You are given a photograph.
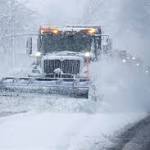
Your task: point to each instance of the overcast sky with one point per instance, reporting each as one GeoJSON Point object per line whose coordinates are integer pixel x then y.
{"type": "Point", "coordinates": [58, 11]}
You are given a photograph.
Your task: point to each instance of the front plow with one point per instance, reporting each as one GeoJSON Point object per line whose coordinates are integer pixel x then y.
{"type": "Point", "coordinates": [44, 86]}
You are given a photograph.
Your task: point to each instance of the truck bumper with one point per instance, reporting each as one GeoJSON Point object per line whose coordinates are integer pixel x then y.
{"type": "Point", "coordinates": [71, 87]}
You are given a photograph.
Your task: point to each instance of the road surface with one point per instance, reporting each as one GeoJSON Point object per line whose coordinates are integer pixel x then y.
{"type": "Point", "coordinates": [134, 138]}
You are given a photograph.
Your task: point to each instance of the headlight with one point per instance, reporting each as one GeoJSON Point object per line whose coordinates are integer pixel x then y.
{"type": "Point", "coordinates": [124, 60]}
{"type": "Point", "coordinates": [37, 54]}
{"type": "Point", "coordinates": [87, 54]}
{"type": "Point", "coordinates": [133, 58]}
{"type": "Point", "coordinates": [146, 71]}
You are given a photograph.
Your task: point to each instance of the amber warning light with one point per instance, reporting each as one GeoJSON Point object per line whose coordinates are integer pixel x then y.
{"type": "Point", "coordinates": [89, 31]}
{"type": "Point", "coordinates": [49, 30]}
{"type": "Point", "coordinates": [92, 31]}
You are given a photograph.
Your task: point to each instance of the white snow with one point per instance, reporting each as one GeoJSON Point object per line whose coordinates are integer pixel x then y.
{"type": "Point", "coordinates": [124, 86]}
{"type": "Point", "coordinates": [60, 123]}
{"type": "Point", "coordinates": [76, 124]}
{"type": "Point", "coordinates": [61, 131]}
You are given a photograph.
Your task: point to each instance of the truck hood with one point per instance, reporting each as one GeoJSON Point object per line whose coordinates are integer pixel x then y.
{"type": "Point", "coordinates": [64, 55]}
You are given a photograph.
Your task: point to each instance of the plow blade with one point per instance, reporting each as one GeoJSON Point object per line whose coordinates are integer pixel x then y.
{"type": "Point", "coordinates": [44, 86]}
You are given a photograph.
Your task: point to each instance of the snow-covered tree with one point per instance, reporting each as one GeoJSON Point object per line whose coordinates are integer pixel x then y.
{"type": "Point", "coordinates": [127, 21]}
{"type": "Point", "coordinates": [134, 23]}
{"type": "Point", "coordinates": [136, 16]}
{"type": "Point", "coordinates": [15, 18]}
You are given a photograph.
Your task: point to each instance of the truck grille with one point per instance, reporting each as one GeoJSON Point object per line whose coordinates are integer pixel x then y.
{"type": "Point", "coordinates": [67, 66]}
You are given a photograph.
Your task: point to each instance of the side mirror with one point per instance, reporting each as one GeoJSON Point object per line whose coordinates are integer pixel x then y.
{"type": "Point", "coordinates": [39, 44]}
{"type": "Point", "coordinates": [29, 46]}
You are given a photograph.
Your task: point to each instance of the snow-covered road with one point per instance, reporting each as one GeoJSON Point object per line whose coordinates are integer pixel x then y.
{"type": "Point", "coordinates": [64, 123]}
{"type": "Point", "coordinates": [62, 131]}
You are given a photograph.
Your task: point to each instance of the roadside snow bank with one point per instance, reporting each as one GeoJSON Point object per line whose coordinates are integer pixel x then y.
{"type": "Point", "coordinates": [45, 131]}
{"type": "Point", "coordinates": [51, 103]}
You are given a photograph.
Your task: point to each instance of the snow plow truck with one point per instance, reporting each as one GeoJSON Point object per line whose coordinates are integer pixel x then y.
{"type": "Point", "coordinates": [62, 62]}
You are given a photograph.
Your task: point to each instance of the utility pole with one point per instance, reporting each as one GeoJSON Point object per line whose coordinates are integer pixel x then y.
{"type": "Point", "coordinates": [12, 28]}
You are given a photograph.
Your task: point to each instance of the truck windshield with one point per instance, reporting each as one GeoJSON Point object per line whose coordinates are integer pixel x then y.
{"type": "Point", "coordinates": [76, 43]}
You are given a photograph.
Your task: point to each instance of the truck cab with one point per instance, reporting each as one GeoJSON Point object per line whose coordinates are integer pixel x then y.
{"type": "Point", "coordinates": [65, 54]}
{"type": "Point", "coordinates": [62, 62]}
